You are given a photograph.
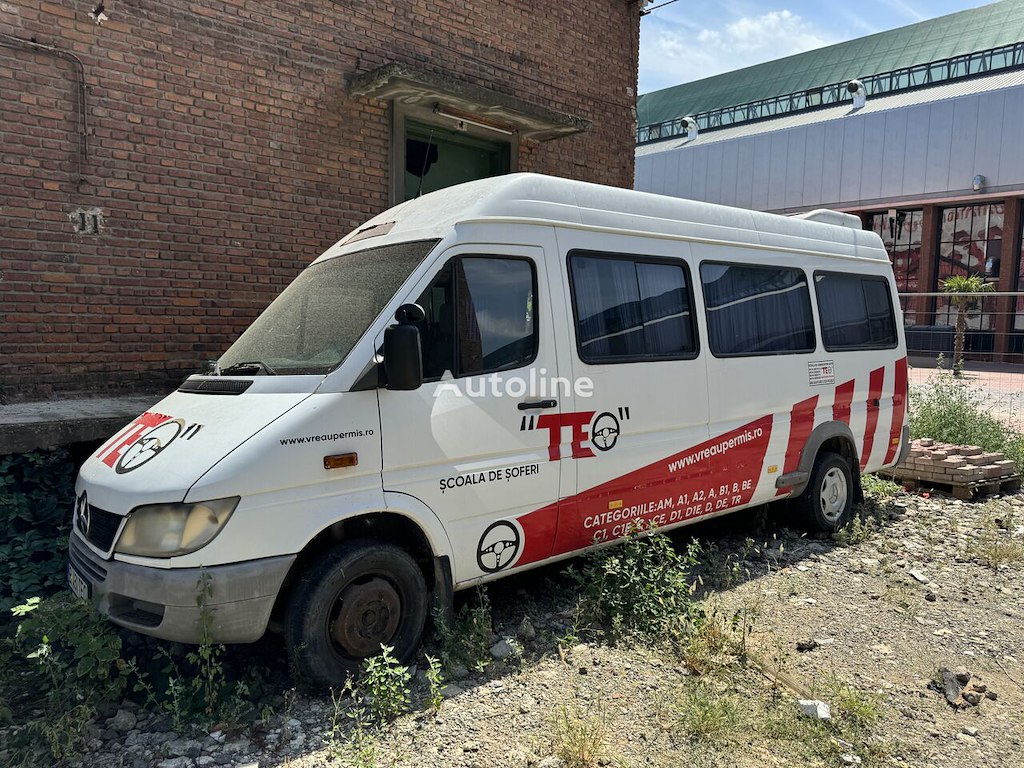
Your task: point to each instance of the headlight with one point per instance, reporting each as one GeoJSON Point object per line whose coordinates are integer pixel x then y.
{"type": "Point", "coordinates": [165, 530]}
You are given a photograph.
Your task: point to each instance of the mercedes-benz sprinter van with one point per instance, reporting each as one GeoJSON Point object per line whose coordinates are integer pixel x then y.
{"type": "Point", "coordinates": [487, 378]}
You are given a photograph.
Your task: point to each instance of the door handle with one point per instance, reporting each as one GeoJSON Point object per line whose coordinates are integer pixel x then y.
{"type": "Point", "coordinates": [527, 405]}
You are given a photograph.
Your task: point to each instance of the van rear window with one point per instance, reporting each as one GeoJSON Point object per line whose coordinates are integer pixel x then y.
{"type": "Point", "coordinates": [630, 309]}
{"type": "Point", "coordinates": [855, 310]}
{"type": "Point", "coordinates": [757, 310]}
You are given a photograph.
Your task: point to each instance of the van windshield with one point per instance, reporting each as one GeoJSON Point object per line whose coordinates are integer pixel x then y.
{"type": "Point", "coordinates": [316, 320]}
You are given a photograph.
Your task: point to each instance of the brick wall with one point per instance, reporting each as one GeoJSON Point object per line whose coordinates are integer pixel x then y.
{"type": "Point", "coordinates": [224, 153]}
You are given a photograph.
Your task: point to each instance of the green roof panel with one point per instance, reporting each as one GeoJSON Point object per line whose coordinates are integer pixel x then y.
{"type": "Point", "coordinates": [977, 29]}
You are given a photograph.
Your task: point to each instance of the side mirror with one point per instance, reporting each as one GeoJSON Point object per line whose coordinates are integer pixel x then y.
{"type": "Point", "coordinates": [403, 356]}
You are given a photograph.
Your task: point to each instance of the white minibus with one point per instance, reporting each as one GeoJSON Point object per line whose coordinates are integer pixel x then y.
{"type": "Point", "coordinates": [487, 378]}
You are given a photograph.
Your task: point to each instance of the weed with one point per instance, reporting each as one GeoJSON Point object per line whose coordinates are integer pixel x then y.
{"type": "Point", "coordinates": [953, 410]}
{"type": "Point", "coordinates": [62, 663]}
{"type": "Point", "coordinates": [857, 531]}
{"type": "Point", "coordinates": [468, 640]}
{"type": "Point", "coordinates": [381, 695]}
{"type": "Point", "coordinates": [580, 738]}
{"type": "Point", "coordinates": [358, 746]}
{"type": "Point", "coordinates": [862, 709]}
{"type": "Point", "coordinates": [199, 692]}
{"type": "Point", "coordinates": [35, 489]}
{"type": "Point", "coordinates": [878, 488]}
{"type": "Point", "coordinates": [640, 588]}
{"type": "Point", "coordinates": [717, 641]}
{"type": "Point", "coordinates": [435, 680]}
{"type": "Point", "coordinates": [699, 711]}
{"type": "Point", "coordinates": [995, 544]}
{"type": "Point", "coordinates": [385, 686]}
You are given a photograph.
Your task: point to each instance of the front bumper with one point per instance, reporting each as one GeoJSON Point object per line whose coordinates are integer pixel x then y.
{"type": "Point", "coordinates": [164, 603]}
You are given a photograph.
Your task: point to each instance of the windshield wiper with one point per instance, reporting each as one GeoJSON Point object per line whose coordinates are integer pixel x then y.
{"type": "Point", "coordinates": [250, 366]}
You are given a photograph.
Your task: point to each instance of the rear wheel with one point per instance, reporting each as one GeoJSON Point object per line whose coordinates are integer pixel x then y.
{"type": "Point", "coordinates": [359, 596]}
{"type": "Point", "coordinates": [827, 502]}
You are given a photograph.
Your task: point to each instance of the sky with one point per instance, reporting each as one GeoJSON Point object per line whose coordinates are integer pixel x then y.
{"type": "Point", "coordinates": [692, 39]}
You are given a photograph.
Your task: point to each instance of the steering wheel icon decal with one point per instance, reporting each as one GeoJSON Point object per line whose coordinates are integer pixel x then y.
{"type": "Point", "coordinates": [149, 446]}
{"type": "Point", "coordinates": [498, 546]}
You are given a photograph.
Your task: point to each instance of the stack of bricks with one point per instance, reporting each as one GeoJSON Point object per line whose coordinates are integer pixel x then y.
{"type": "Point", "coordinates": [930, 461]}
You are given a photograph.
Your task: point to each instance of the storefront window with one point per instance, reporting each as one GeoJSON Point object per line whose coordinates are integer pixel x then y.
{"type": "Point", "coordinates": [901, 233]}
{"type": "Point", "coordinates": [971, 241]}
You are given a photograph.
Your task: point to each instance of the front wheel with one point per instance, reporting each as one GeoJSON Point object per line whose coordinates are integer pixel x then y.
{"type": "Point", "coordinates": [827, 502]}
{"type": "Point", "coordinates": [359, 596]}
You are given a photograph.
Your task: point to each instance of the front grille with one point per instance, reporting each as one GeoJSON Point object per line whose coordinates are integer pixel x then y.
{"type": "Point", "coordinates": [84, 563]}
{"type": "Point", "coordinates": [103, 527]}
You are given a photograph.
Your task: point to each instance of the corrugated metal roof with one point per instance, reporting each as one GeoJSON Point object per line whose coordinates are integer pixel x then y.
{"type": "Point", "coordinates": [951, 90]}
{"type": "Point", "coordinates": [969, 31]}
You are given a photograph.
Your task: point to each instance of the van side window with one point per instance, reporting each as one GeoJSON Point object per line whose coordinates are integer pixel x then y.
{"type": "Point", "coordinates": [855, 310]}
{"type": "Point", "coordinates": [631, 309]}
{"type": "Point", "coordinates": [756, 310]}
{"type": "Point", "coordinates": [480, 317]}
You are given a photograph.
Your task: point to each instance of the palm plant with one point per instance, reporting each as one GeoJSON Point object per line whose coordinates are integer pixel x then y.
{"type": "Point", "coordinates": [961, 289]}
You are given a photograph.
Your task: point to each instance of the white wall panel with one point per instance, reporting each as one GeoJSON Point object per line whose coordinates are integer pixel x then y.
{"type": "Point", "coordinates": [894, 149]}
{"type": "Point", "coordinates": [832, 163]}
{"type": "Point", "coordinates": [853, 158]}
{"type": "Point", "coordinates": [761, 172]}
{"type": "Point", "coordinates": [778, 159]}
{"type": "Point", "coordinates": [730, 175]}
{"type": "Point", "coordinates": [1011, 158]}
{"type": "Point", "coordinates": [714, 179]}
{"type": "Point", "coordinates": [796, 158]}
{"type": "Point", "coordinates": [745, 173]}
{"type": "Point", "coordinates": [989, 137]}
{"type": "Point", "coordinates": [814, 158]}
{"type": "Point", "coordinates": [940, 138]}
{"type": "Point", "coordinates": [962, 138]}
{"type": "Point", "coordinates": [871, 159]}
{"type": "Point", "coordinates": [915, 161]}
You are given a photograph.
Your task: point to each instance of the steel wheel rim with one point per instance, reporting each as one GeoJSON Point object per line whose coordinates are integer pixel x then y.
{"type": "Point", "coordinates": [833, 494]}
{"type": "Point", "coordinates": [365, 616]}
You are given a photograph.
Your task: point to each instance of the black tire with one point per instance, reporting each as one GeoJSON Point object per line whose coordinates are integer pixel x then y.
{"type": "Point", "coordinates": [379, 583]}
{"type": "Point", "coordinates": [827, 502]}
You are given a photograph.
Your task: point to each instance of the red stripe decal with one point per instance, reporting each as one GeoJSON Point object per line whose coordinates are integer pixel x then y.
{"type": "Point", "coordinates": [874, 395]}
{"type": "Point", "coordinates": [844, 397]}
{"type": "Point", "coordinates": [899, 410]}
{"type": "Point", "coordinates": [719, 474]}
{"type": "Point", "coordinates": [801, 424]}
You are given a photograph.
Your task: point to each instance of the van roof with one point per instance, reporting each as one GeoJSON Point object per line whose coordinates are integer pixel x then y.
{"type": "Point", "coordinates": [538, 199]}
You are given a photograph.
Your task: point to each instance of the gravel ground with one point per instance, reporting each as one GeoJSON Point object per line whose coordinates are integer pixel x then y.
{"type": "Point", "coordinates": [883, 619]}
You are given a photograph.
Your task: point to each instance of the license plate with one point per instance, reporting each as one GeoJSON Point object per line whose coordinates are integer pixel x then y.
{"type": "Point", "coordinates": [78, 583]}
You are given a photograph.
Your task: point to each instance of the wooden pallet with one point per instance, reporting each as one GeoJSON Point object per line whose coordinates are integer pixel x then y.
{"type": "Point", "coordinates": [963, 491]}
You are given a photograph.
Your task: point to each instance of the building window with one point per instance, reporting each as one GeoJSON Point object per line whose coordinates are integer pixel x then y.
{"type": "Point", "coordinates": [971, 241]}
{"type": "Point", "coordinates": [630, 309]}
{"type": "Point", "coordinates": [757, 310]}
{"type": "Point", "coordinates": [901, 234]}
{"type": "Point", "coordinates": [855, 311]}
